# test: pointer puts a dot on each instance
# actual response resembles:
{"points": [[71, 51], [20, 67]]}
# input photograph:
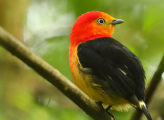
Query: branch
{"points": [[52, 75], [153, 85]]}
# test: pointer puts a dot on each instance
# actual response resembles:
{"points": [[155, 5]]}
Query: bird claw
{"points": [[106, 110], [112, 116]]}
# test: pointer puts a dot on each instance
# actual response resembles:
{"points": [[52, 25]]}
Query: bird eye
{"points": [[101, 21]]}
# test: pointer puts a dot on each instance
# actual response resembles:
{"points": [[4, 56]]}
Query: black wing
{"points": [[113, 62]]}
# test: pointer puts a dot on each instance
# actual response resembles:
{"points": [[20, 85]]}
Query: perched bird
{"points": [[103, 68]]}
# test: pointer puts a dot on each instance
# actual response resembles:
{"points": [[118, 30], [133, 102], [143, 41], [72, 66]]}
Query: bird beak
{"points": [[117, 21]]}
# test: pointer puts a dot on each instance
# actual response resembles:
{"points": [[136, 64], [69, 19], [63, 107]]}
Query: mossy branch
{"points": [[52, 75]]}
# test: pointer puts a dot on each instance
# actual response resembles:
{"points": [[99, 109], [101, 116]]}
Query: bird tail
{"points": [[145, 110]]}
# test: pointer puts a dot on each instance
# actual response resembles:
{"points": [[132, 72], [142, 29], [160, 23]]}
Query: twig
{"points": [[52, 75], [153, 85]]}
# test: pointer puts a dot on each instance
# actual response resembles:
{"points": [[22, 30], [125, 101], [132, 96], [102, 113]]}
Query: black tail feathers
{"points": [[145, 110]]}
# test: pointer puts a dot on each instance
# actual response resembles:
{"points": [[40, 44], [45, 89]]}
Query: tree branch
{"points": [[153, 85], [52, 75]]}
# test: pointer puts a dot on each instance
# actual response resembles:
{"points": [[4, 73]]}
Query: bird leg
{"points": [[106, 110], [109, 112]]}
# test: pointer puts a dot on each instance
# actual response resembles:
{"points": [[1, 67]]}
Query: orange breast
{"points": [[74, 66]]}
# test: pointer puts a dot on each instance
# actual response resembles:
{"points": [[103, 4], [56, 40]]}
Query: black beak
{"points": [[117, 21]]}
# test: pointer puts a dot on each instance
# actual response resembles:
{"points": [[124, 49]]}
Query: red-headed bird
{"points": [[103, 68]]}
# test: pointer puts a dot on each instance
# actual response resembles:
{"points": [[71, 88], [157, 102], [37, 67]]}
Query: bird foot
{"points": [[106, 110], [112, 116]]}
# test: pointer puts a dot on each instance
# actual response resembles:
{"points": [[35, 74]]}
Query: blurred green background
{"points": [[44, 26]]}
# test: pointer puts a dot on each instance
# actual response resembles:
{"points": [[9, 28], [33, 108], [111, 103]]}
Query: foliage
{"points": [[47, 34]]}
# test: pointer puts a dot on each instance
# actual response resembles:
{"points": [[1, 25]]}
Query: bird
{"points": [[103, 68]]}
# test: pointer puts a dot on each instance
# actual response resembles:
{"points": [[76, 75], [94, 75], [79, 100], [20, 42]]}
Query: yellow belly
{"points": [[95, 91]]}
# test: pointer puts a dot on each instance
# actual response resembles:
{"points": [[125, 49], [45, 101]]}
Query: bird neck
{"points": [[75, 41]]}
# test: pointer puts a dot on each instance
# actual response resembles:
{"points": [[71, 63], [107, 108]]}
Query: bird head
{"points": [[92, 25]]}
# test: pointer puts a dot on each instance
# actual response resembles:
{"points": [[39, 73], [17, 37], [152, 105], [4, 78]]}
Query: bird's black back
{"points": [[113, 62]]}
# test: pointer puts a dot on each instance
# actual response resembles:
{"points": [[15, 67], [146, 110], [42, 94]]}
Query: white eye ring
{"points": [[101, 21]]}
